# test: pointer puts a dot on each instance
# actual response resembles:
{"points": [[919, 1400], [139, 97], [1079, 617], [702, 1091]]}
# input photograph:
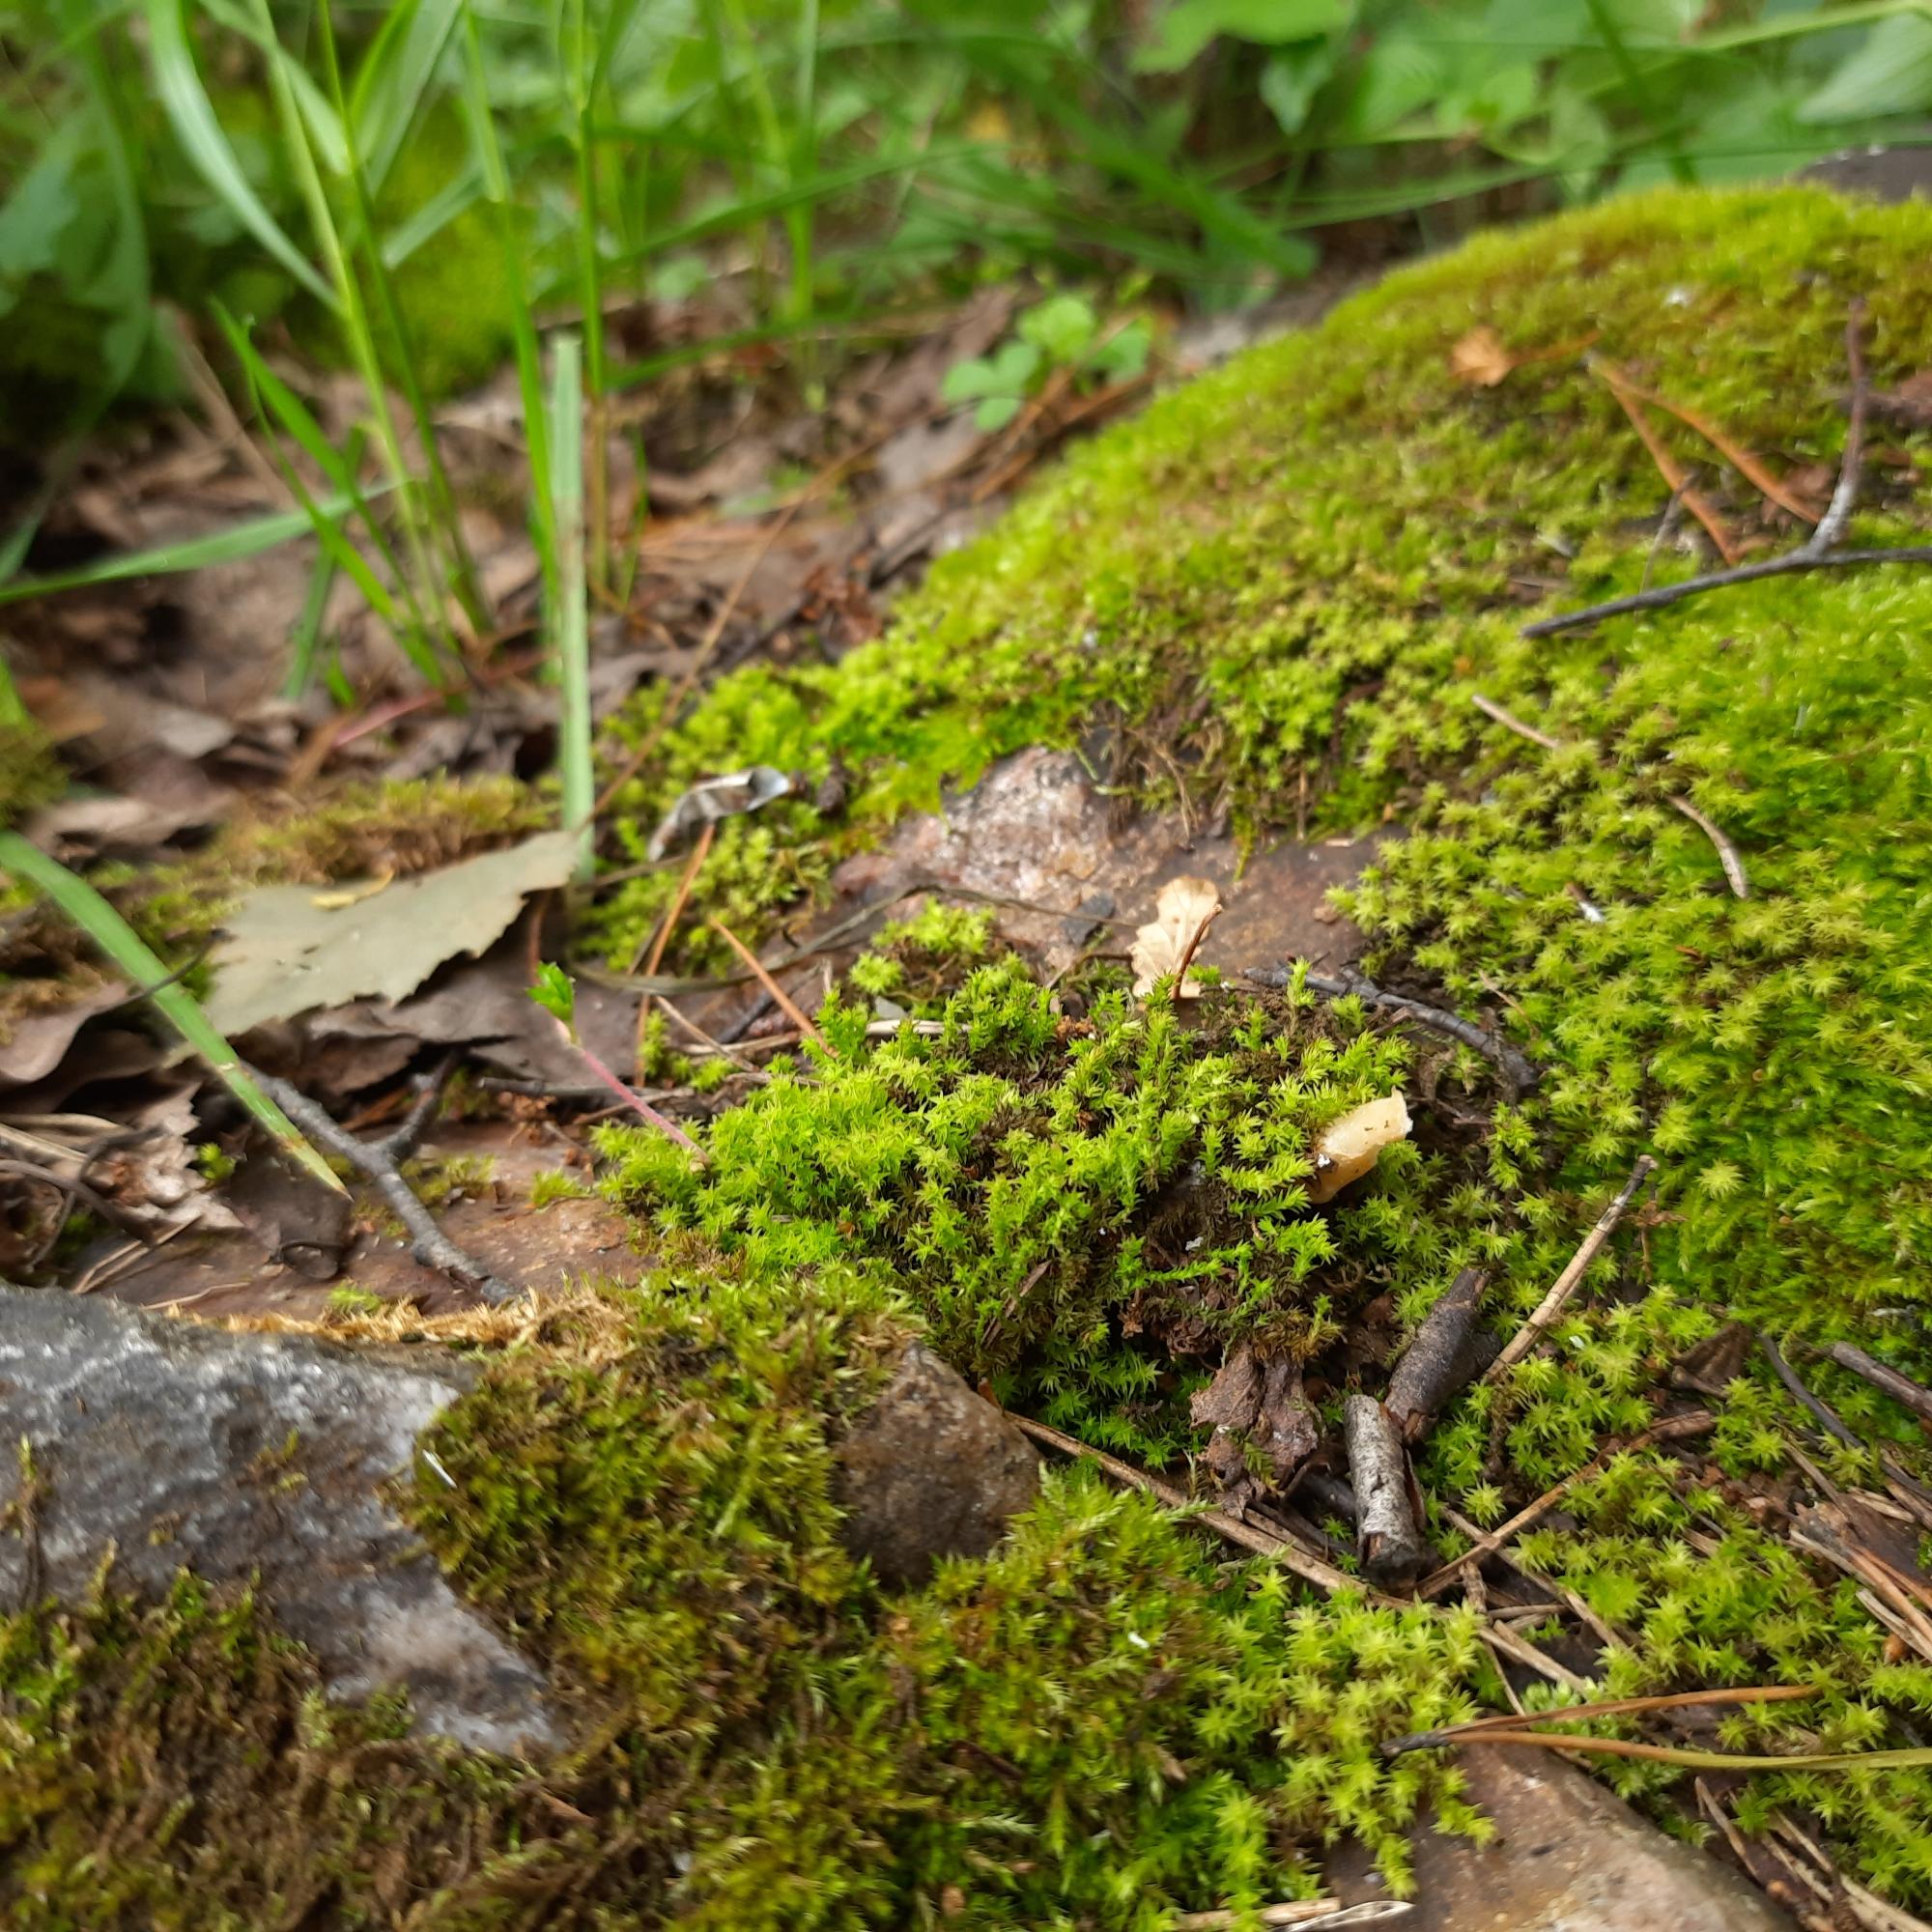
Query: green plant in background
{"points": [[1062, 336]]}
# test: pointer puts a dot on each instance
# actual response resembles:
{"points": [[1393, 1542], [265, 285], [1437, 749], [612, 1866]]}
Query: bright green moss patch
{"points": [[1088, 1211]]}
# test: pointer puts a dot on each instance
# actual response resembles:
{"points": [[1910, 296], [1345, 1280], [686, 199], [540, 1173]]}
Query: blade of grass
{"points": [[577, 59], [522, 323], [444, 524], [392, 78], [297, 422], [306, 634], [569, 616], [185, 101], [133, 956], [229, 546], [352, 312]]}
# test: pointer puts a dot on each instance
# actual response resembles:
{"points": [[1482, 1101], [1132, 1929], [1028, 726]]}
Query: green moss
{"points": [[1076, 1208]]}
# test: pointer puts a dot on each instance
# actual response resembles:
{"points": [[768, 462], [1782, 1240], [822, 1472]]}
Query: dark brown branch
{"points": [[1900, 1388], [1440, 1360], [1665, 594], [428, 1243], [1822, 1413], [1521, 1072]]}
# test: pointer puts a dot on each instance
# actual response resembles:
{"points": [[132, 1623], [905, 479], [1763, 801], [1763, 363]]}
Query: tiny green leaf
{"points": [[555, 992]]}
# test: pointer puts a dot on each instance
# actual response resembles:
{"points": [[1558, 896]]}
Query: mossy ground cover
{"points": [[1279, 589]]}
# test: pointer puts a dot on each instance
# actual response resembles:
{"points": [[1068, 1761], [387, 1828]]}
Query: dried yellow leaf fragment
{"points": [[1347, 1148], [1187, 906]]}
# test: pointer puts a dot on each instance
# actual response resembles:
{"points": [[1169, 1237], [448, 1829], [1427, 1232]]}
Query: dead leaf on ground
{"points": [[1480, 359], [1187, 906], [1909, 405], [284, 955], [1349, 1147], [40, 1040]]}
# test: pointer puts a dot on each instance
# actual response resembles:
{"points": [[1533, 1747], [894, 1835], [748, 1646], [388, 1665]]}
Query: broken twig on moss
{"points": [[428, 1243], [1387, 1540], [1610, 1707], [1552, 1304], [1727, 853], [1900, 1388], [1439, 1360], [1517, 1068], [1821, 1412]]}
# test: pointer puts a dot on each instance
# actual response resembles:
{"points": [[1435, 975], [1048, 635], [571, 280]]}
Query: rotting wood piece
{"points": [[1388, 1542], [1442, 1358]]}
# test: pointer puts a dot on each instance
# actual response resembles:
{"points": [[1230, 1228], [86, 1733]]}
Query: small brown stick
{"points": [[1832, 525], [1727, 853], [1673, 1428], [1510, 722], [1513, 1065], [1900, 1388], [667, 927], [1436, 1363], [779, 997], [1243, 1535], [1821, 1412], [1519, 1650], [428, 1243], [1740, 459], [1611, 1707], [1665, 594], [1668, 465], [1565, 1285], [1567, 1599], [1387, 1540]]}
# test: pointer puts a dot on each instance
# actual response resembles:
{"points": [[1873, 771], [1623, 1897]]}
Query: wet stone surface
{"points": [[232, 1455]]}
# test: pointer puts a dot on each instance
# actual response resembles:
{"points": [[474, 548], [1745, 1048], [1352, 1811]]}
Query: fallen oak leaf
{"points": [[1347, 1148], [1165, 948]]}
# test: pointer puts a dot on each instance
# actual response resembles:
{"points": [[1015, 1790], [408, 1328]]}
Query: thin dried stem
{"points": [[783, 1000]]}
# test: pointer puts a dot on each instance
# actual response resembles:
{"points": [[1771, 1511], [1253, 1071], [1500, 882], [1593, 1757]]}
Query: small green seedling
{"points": [[1062, 333]]}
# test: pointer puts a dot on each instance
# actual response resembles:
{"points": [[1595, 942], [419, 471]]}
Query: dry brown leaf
{"points": [[1187, 906], [1347, 1148], [1480, 359]]}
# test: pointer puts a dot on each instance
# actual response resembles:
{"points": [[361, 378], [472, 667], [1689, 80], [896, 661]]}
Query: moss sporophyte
{"points": [[1106, 1722]]}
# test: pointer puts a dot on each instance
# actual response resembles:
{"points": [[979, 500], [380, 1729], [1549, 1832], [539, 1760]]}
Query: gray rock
{"points": [[1568, 1857], [232, 1455], [931, 1471]]}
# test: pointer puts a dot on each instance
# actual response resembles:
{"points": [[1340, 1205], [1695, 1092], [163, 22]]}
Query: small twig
{"points": [[1727, 853], [1695, 1422], [1832, 525], [1510, 722], [668, 926], [1565, 1285], [400, 1145], [1900, 1388], [1388, 1543], [1665, 594], [1515, 1067], [1611, 1707], [1519, 1650], [428, 1243], [783, 1001], [1438, 1362], [1243, 1535], [1668, 467], [627, 1097], [1821, 1412], [1667, 526]]}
